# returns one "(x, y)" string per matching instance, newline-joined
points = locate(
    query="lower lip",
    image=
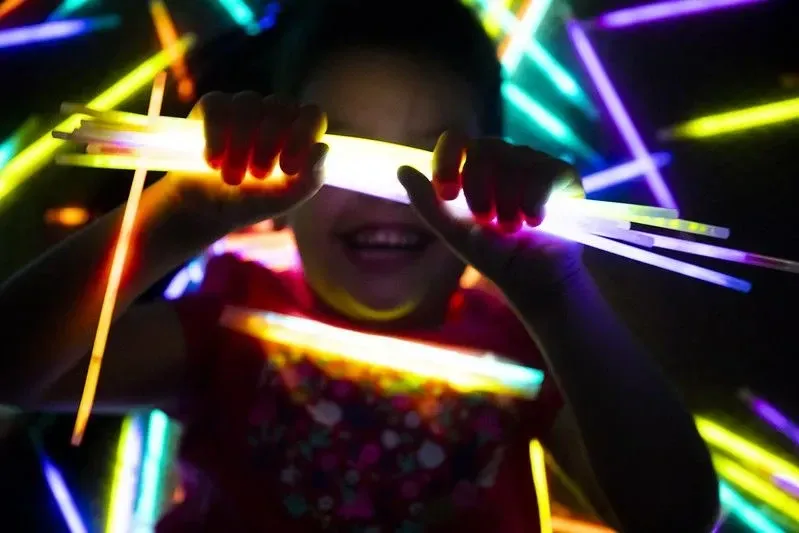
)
(378, 261)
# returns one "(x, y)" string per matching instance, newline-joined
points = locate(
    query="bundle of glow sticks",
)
(118, 140)
(464, 371)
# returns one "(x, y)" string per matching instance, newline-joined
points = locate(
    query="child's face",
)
(369, 258)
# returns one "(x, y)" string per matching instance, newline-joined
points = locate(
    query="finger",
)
(428, 206)
(447, 160)
(215, 111)
(306, 182)
(246, 113)
(508, 185)
(277, 118)
(308, 128)
(476, 179)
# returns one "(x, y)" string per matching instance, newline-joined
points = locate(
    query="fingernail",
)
(534, 221)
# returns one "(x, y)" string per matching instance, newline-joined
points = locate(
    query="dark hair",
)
(445, 32)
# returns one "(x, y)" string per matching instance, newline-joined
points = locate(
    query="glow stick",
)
(125, 477)
(548, 122)
(770, 414)
(752, 484)
(463, 370)
(725, 254)
(67, 216)
(10, 146)
(168, 36)
(659, 11)
(152, 473)
(64, 500)
(787, 485)
(115, 278)
(241, 14)
(619, 114)
(685, 226)
(8, 6)
(538, 466)
(554, 72)
(512, 48)
(745, 511)
(562, 524)
(67, 7)
(643, 256)
(621, 173)
(38, 154)
(735, 121)
(722, 438)
(53, 31)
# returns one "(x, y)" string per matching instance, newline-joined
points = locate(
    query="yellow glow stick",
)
(722, 438)
(168, 36)
(463, 370)
(538, 465)
(114, 278)
(39, 152)
(765, 491)
(733, 121)
(124, 478)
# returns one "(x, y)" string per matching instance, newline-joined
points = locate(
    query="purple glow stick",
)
(725, 254)
(620, 173)
(62, 497)
(619, 114)
(787, 485)
(53, 31)
(624, 18)
(769, 414)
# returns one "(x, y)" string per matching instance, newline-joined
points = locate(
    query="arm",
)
(50, 308)
(641, 446)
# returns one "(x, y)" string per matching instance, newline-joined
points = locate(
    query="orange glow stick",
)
(569, 525)
(8, 6)
(114, 278)
(168, 37)
(71, 216)
(503, 46)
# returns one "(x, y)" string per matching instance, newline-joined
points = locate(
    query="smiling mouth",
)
(384, 247)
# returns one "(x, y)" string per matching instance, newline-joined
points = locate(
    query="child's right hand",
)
(247, 137)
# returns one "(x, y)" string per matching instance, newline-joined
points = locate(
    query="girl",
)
(288, 448)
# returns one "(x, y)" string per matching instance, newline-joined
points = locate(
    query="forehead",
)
(389, 97)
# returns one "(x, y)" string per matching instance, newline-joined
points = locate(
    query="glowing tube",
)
(538, 466)
(769, 413)
(685, 226)
(746, 512)
(115, 278)
(736, 446)
(464, 371)
(67, 8)
(549, 123)
(63, 498)
(53, 31)
(649, 258)
(10, 146)
(512, 48)
(125, 478)
(67, 216)
(152, 474)
(787, 485)
(633, 16)
(754, 485)
(168, 36)
(241, 14)
(619, 114)
(8, 6)
(734, 121)
(620, 173)
(38, 154)
(562, 524)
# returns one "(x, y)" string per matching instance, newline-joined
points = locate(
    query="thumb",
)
(454, 232)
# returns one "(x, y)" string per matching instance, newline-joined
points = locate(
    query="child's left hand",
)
(504, 186)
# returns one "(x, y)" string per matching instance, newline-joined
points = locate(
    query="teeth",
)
(386, 238)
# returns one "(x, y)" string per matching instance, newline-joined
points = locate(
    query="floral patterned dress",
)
(278, 440)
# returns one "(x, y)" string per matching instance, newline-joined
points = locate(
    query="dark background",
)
(710, 340)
